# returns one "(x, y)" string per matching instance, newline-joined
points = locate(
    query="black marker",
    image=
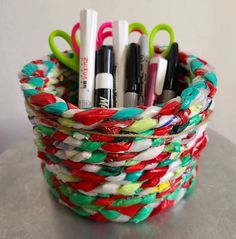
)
(132, 75)
(104, 77)
(169, 90)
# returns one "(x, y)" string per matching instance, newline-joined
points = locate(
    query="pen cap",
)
(172, 58)
(88, 31)
(132, 75)
(88, 35)
(104, 60)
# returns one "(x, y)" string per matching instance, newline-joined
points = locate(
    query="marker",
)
(120, 43)
(132, 76)
(144, 57)
(156, 77)
(169, 91)
(104, 78)
(88, 34)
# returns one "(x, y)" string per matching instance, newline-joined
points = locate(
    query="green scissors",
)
(72, 60)
(138, 27)
(156, 29)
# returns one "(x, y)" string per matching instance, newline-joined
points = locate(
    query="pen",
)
(88, 25)
(169, 90)
(132, 75)
(104, 78)
(156, 77)
(144, 57)
(120, 43)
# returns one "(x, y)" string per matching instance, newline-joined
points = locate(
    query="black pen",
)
(169, 90)
(104, 78)
(132, 76)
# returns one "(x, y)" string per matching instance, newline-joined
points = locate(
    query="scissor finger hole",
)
(161, 41)
(62, 46)
(107, 38)
(156, 34)
(104, 32)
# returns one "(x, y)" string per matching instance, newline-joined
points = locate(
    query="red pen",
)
(156, 78)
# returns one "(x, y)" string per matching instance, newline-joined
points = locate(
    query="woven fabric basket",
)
(120, 164)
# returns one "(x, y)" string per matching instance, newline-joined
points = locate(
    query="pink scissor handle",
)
(102, 34)
(106, 35)
(75, 40)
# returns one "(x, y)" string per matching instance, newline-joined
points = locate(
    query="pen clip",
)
(73, 61)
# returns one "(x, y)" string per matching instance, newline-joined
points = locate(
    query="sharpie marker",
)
(144, 57)
(88, 34)
(104, 78)
(132, 75)
(120, 43)
(156, 77)
(169, 91)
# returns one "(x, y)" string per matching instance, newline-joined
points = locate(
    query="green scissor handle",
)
(138, 26)
(73, 61)
(156, 29)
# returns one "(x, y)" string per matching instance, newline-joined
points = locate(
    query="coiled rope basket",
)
(119, 164)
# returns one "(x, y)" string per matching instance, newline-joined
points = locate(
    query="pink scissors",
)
(102, 34)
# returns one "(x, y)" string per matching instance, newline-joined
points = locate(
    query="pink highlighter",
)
(156, 78)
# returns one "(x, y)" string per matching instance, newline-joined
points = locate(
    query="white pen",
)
(88, 35)
(120, 44)
(144, 57)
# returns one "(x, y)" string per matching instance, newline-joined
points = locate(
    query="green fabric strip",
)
(97, 157)
(142, 214)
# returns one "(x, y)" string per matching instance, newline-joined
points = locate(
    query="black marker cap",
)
(104, 60)
(132, 73)
(172, 58)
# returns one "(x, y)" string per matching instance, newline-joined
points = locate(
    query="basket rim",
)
(178, 111)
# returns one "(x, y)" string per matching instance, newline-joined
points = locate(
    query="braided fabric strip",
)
(110, 178)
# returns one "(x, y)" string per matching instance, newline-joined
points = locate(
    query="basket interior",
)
(67, 85)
